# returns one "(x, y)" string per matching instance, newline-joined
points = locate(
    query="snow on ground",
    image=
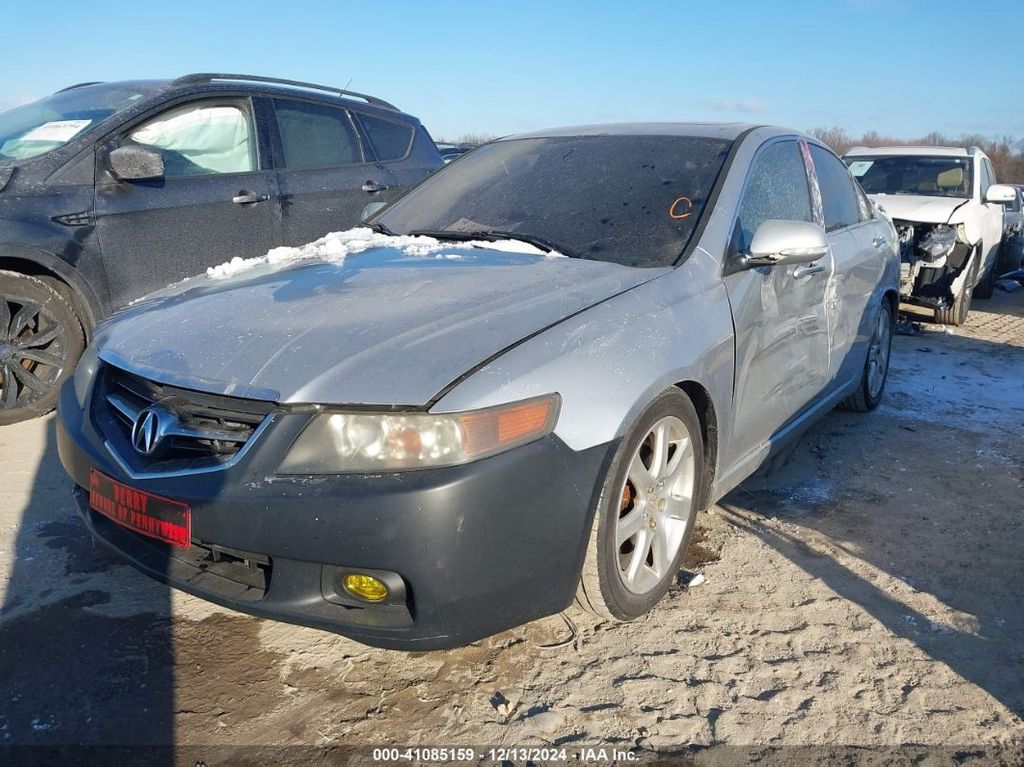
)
(336, 246)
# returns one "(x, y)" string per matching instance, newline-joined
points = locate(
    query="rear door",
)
(858, 240)
(217, 199)
(779, 312)
(326, 173)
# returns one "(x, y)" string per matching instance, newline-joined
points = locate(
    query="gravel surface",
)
(865, 593)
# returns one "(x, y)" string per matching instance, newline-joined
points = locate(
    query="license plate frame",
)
(162, 519)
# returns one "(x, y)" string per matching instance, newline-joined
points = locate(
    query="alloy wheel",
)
(656, 499)
(878, 354)
(33, 351)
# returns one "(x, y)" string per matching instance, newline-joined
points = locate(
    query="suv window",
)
(315, 136)
(390, 139)
(838, 198)
(776, 189)
(200, 139)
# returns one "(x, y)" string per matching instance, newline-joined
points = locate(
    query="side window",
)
(200, 139)
(390, 139)
(315, 136)
(863, 204)
(838, 195)
(776, 188)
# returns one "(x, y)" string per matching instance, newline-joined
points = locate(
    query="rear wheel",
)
(647, 511)
(876, 366)
(40, 342)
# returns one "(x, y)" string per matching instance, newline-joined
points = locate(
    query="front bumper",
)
(479, 548)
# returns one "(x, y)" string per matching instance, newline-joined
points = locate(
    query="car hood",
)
(379, 328)
(912, 207)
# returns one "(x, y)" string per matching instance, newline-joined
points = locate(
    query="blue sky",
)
(901, 67)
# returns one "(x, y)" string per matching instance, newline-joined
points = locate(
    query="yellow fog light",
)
(365, 587)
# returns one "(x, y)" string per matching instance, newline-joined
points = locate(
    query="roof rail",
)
(204, 77)
(79, 85)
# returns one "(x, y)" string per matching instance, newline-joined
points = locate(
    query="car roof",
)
(247, 83)
(728, 131)
(932, 151)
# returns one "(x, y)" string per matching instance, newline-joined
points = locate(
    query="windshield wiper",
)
(380, 228)
(492, 235)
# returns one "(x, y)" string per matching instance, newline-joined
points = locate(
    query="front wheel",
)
(645, 516)
(40, 342)
(956, 313)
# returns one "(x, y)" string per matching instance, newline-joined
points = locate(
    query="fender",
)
(90, 304)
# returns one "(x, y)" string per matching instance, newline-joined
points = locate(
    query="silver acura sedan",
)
(513, 388)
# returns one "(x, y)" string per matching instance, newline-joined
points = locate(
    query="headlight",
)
(337, 443)
(938, 242)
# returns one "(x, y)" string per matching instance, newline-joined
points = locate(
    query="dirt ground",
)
(868, 593)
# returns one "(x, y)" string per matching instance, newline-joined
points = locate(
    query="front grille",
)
(208, 429)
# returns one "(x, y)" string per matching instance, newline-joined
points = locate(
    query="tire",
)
(957, 313)
(666, 512)
(41, 340)
(876, 366)
(987, 284)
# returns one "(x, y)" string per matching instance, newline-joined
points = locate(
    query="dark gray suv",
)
(109, 191)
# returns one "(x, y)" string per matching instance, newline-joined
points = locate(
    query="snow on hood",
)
(922, 208)
(391, 327)
(337, 245)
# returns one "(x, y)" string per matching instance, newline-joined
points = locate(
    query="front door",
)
(214, 202)
(779, 312)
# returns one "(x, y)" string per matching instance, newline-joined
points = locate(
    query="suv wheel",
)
(956, 313)
(40, 342)
(647, 511)
(987, 283)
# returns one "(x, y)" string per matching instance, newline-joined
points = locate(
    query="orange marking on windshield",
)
(675, 214)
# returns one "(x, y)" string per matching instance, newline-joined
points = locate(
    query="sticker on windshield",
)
(59, 130)
(860, 167)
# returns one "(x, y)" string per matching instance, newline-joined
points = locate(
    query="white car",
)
(948, 212)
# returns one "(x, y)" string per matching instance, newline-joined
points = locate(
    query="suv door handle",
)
(372, 186)
(248, 198)
(806, 271)
(878, 242)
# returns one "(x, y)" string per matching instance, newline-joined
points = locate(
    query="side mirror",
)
(372, 210)
(136, 163)
(1000, 193)
(786, 242)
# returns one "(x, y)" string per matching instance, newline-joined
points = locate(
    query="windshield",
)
(42, 126)
(913, 174)
(631, 200)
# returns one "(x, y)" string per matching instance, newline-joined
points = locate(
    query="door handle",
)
(806, 271)
(247, 198)
(878, 242)
(372, 186)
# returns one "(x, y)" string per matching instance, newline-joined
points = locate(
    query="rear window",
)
(390, 139)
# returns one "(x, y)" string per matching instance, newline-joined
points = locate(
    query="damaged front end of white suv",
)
(948, 214)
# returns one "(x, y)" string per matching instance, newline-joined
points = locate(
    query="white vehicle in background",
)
(948, 212)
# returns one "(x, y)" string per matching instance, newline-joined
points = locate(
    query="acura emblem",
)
(149, 429)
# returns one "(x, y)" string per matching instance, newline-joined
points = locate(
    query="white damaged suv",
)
(948, 212)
